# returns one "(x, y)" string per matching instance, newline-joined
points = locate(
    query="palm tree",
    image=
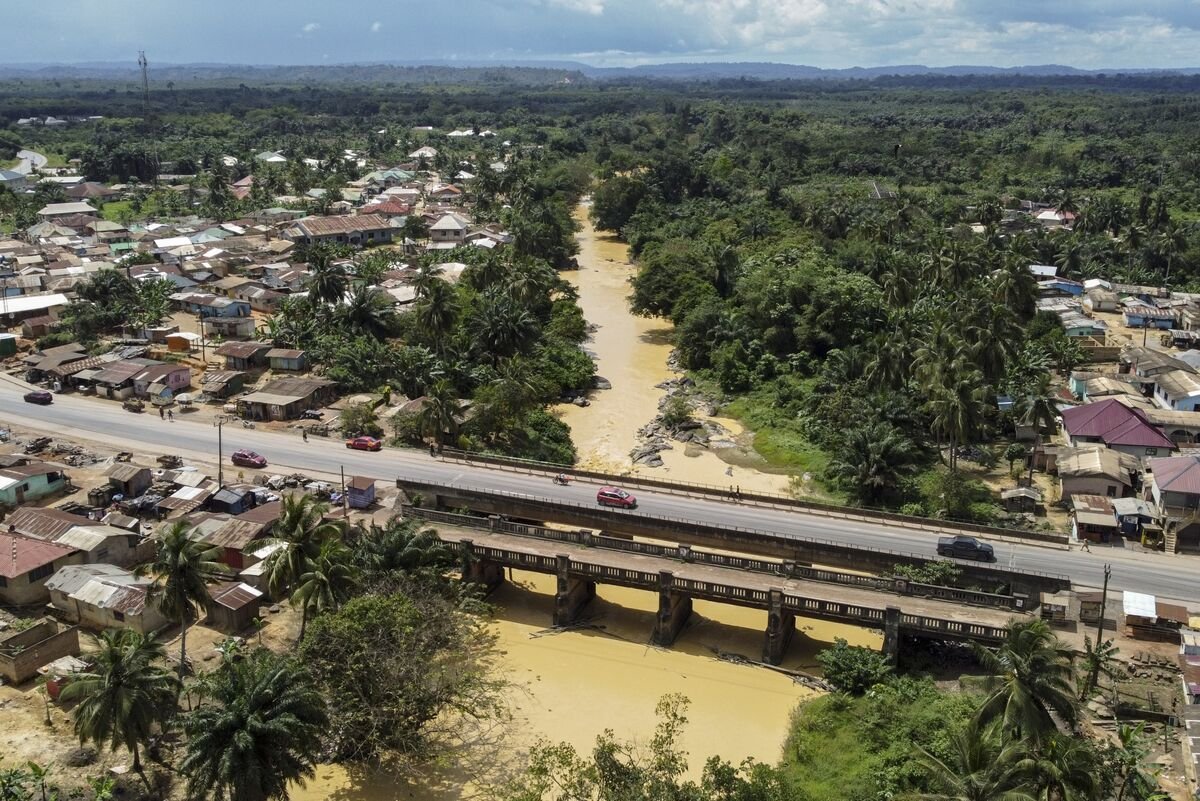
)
(262, 734)
(437, 312)
(501, 326)
(125, 695)
(180, 573)
(871, 461)
(1037, 405)
(402, 547)
(1061, 769)
(1031, 675)
(328, 583)
(369, 311)
(1099, 659)
(327, 284)
(982, 767)
(1131, 755)
(301, 530)
(956, 407)
(439, 415)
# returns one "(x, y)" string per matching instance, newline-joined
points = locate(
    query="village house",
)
(1173, 486)
(287, 398)
(233, 606)
(363, 230)
(26, 564)
(244, 355)
(1140, 314)
(236, 328)
(1115, 425)
(1178, 390)
(1093, 518)
(162, 381)
(208, 306)
(222, 383)
(1147, 364)
(450, 231)
(128, 479)
(21, 484)
(103, 597)
(233, 536)
(15, 310)
(53, 212)
(1096, 471)
(287, 360)
(98, 542)
(1099, 299)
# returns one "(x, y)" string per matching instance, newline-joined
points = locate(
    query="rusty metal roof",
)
(123, 471)
(236, 534)
(19, 555)
(360, 483)
(103, 587)
(235, 595)
(242, 350)
(42, 524)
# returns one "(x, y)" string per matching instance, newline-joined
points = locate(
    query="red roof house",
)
(26, 563)
(1117, 426)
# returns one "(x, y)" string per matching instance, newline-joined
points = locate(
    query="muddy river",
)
(631, 352)
(571, 685)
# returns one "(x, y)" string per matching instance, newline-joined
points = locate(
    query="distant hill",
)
(523, 72)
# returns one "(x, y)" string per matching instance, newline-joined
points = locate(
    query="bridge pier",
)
(891, 633)
(572, 594)
(674, 609)
(781, 627)
(480, 571)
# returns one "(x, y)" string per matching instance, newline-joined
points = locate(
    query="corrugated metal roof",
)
(19, 555)
(236, 534)
(123, 471)
(1139, 604)
(42, 524)
(235, 596)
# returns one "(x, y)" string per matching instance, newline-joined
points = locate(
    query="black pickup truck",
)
(962, 547)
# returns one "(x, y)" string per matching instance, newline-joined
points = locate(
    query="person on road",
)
(160, 413)
(304, 433)
(432, 451)
(1086, 546)
(171, 415)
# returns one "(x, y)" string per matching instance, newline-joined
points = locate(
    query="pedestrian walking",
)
(160, 413)
(171, 415)
(1087, 546)
(304, 433)
(432, 452)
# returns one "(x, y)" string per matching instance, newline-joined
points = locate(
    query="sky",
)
(1089, 34)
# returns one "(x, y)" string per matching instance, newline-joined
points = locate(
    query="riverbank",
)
(633, 353)
(571, 685)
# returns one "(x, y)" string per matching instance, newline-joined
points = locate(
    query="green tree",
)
(440, 413)
(853, 669)
(300, 531)
(1099, 659)
(359, 419)
(402, 546)
(872, 460)
(262, 734)
(1030, 676)
(368, 311)
(981, 767)
(179, 574)
(329, 582)
(125, 696)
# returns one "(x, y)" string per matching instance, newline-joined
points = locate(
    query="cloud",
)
(311, 27)
(593, 7)
(376, 27)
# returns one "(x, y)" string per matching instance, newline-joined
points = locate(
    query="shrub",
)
(853, 669)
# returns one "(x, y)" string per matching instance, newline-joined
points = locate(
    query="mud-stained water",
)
(571, 685)
(631, 352)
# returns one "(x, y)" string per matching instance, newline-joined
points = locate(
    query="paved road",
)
(29, 161)
(1172, 577)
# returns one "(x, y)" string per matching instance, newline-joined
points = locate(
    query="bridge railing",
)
(772, 567)
(943, 525)
(684, 523)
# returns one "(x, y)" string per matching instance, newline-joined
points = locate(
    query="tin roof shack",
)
(233, 537)
(23, 652)
(103, 597)
(130, 480)
(228, 327)
(287, 398)
(1021, 499)
(1089, 606)
(1093, 518)
(29, 482)
(99, 543)
(1147, 618)
(1095, 470)
(222, 383)
(360, 492)
(288, 360)
(26, 563)
(244, 355)
(233, 607)
(162, 380)
(232, 500)
(39, 363)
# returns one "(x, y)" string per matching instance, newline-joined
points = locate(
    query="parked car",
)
(963, 547)
(611, 496)
(244, 458)
(39, 396)
(365, 444)
(312, 414)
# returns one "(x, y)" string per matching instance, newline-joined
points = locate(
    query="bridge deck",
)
(929, 607)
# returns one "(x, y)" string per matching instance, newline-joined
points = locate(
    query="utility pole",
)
(345, 500)
(144, 65)
(219, 422)
(1094, 673)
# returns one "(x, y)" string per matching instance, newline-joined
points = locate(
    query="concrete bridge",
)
(578, 569)
(1025, 585)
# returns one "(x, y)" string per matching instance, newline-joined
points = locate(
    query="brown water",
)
(569, 686)
(631, 352)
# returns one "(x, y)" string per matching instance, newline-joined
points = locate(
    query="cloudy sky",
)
(825, 33)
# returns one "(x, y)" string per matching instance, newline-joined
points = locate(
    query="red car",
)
(611, 496)
(244, 458)
(365, 444)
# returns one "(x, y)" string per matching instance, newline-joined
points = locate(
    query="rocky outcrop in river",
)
(676, 422)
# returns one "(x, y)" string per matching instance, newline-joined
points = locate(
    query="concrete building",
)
(29, 482)
(366, 229)
(26, 564)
